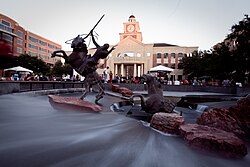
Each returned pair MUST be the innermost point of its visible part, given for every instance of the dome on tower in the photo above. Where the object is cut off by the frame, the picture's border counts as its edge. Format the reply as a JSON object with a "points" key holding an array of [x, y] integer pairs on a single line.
{"points": [[132, 17]]}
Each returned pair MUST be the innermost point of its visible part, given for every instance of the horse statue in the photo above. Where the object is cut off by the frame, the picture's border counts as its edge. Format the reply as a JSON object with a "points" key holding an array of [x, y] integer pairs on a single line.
{"points": [[155, 101], [85, 64]]}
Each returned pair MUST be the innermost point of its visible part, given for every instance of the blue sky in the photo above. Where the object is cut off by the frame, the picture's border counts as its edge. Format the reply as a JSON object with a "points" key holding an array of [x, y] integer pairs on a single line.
{"points": [[201, 23]]}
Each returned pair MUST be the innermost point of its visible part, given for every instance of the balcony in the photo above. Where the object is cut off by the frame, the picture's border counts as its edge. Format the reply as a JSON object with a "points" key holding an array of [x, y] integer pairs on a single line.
{"points": [[127, 59]]}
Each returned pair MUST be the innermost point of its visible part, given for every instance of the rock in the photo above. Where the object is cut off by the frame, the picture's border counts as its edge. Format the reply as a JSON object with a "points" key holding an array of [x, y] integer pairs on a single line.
{"points": [[115, 88], [241, 113], [221, 119], [125, 91], [167, 122], [213, 139], [73, 103], [244, 102]]}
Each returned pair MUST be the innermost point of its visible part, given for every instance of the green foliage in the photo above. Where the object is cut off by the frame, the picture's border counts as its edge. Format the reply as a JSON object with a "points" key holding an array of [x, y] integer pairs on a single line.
{"points": [[58, 70], [240, 51], [228, 59], [38, 66]]}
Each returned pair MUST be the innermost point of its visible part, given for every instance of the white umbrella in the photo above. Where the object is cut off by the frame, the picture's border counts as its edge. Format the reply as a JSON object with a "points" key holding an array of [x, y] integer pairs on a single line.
{"points": [[161, 68], [18, 69]]}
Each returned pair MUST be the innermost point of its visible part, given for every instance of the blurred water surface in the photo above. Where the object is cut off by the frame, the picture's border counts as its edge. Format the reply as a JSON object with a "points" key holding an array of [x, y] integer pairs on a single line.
{"points": [[33, 133]]}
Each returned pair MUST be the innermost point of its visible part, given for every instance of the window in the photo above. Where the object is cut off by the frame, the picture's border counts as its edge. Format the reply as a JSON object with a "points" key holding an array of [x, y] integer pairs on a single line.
{"points": [[173, 66], [49, 51], [19, 41], [42, 49], [51, 46], [6, 23], [42, 43], [19, 50], [32, 54], [158, 55], [58, 48], [33, 46], [41, 56], [165, 55], [7, 37], [180, 55], [172, 55], [20, 34], [33, 39], [7, 28], [129, 54]]}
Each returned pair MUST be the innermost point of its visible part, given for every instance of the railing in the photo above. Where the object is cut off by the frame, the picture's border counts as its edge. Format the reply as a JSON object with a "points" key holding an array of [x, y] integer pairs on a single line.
{"points": [[25, 86]]}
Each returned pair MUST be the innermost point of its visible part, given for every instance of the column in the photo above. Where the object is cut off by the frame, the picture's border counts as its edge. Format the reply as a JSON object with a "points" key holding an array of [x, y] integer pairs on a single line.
{"points": [[142, 71], [135, 74], [122, 68], [139, 70], [116, 69]]}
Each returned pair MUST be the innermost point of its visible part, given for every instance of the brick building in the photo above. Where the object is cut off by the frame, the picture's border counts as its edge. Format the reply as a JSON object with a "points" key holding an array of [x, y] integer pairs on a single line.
{"points": [[25, 42]]}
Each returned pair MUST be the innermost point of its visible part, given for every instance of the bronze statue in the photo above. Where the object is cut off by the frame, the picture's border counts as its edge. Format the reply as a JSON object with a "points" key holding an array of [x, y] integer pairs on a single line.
{"points": [[85, 64], [155, 102]]}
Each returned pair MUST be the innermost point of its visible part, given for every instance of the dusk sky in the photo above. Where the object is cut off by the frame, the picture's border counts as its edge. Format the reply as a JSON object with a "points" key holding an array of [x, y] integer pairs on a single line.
{"points": [[201, 23]]}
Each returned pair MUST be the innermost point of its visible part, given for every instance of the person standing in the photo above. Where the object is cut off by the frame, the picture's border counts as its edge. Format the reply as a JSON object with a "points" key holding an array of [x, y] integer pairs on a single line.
{"points": [[105, 73], [110, 76]]}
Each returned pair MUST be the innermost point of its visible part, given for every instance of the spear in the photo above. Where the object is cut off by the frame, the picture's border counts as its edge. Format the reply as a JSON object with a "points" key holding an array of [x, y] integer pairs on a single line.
{"points": [[89, 32]]}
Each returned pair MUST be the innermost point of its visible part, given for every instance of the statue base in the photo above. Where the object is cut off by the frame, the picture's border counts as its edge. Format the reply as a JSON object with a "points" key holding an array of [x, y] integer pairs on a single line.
{"points": [[73, 103]]}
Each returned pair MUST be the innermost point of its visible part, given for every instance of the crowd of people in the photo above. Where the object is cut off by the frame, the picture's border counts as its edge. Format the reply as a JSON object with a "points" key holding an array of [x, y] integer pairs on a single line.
{"points": [[109, 77]]}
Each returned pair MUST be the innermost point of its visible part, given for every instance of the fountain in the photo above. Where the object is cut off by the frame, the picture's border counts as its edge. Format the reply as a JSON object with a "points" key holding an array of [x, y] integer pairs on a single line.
{"points": [[33, 133]]}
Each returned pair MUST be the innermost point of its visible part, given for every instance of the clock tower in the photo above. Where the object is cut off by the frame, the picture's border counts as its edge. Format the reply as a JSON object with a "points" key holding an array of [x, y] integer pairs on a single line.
{"points": [[131, 28]]}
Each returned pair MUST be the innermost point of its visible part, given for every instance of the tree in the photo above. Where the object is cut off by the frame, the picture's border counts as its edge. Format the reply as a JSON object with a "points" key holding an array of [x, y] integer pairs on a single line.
{"points": [[59, 69], [239, 44], [38, 66], [192, 65], [228, 59]]}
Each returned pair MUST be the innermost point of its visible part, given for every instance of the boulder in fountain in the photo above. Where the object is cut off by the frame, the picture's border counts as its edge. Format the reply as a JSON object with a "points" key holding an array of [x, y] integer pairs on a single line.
{"points": [[167, 122], [213, 139], [73, 103], [115, 88], [221, 119], [241, 114], [125, 92], [122, 90]]}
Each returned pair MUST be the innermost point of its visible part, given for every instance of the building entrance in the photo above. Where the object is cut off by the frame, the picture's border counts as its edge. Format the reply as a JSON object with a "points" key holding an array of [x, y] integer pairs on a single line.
{"points": [[129, 70]]}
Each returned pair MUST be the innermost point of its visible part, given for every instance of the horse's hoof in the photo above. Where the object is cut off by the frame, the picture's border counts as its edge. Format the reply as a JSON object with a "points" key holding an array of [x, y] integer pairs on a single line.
{"points": [[99, 104]]}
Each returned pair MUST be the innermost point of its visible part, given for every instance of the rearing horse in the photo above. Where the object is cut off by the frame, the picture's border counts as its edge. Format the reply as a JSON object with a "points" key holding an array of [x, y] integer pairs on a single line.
{"points": [[84, 64]]}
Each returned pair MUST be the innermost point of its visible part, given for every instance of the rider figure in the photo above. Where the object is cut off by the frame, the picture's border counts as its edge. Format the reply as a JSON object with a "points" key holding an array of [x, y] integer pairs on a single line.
{"points": [[100, 53]]}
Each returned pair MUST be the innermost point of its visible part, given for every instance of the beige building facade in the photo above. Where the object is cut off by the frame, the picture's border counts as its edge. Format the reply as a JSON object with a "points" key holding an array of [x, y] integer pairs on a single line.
{"points": [[133, 58]]}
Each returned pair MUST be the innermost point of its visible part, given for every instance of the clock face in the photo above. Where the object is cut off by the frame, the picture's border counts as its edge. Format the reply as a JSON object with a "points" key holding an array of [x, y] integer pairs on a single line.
{"points": [[130, 28]]}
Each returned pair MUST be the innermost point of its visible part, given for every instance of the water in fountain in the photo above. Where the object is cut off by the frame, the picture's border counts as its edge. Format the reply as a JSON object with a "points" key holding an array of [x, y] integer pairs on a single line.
{"points": [[35, 134], [201, 108]]}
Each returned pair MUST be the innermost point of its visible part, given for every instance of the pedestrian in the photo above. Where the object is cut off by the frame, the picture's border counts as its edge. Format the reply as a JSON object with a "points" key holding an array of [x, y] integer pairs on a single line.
{"points": [[110, 76]]}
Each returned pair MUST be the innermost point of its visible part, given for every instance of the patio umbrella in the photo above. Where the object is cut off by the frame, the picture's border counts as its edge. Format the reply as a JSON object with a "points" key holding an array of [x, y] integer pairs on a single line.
{"points": [[161, 68], [18, 69]]}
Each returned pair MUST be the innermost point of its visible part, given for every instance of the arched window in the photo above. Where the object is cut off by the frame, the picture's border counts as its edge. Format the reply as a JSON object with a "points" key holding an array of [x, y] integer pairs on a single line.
{"points": [[158, 55]]}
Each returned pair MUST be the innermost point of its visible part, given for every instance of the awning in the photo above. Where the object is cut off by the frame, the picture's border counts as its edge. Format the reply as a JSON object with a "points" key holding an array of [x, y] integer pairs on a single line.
{"points": [[161, 68], [18, 69]]}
